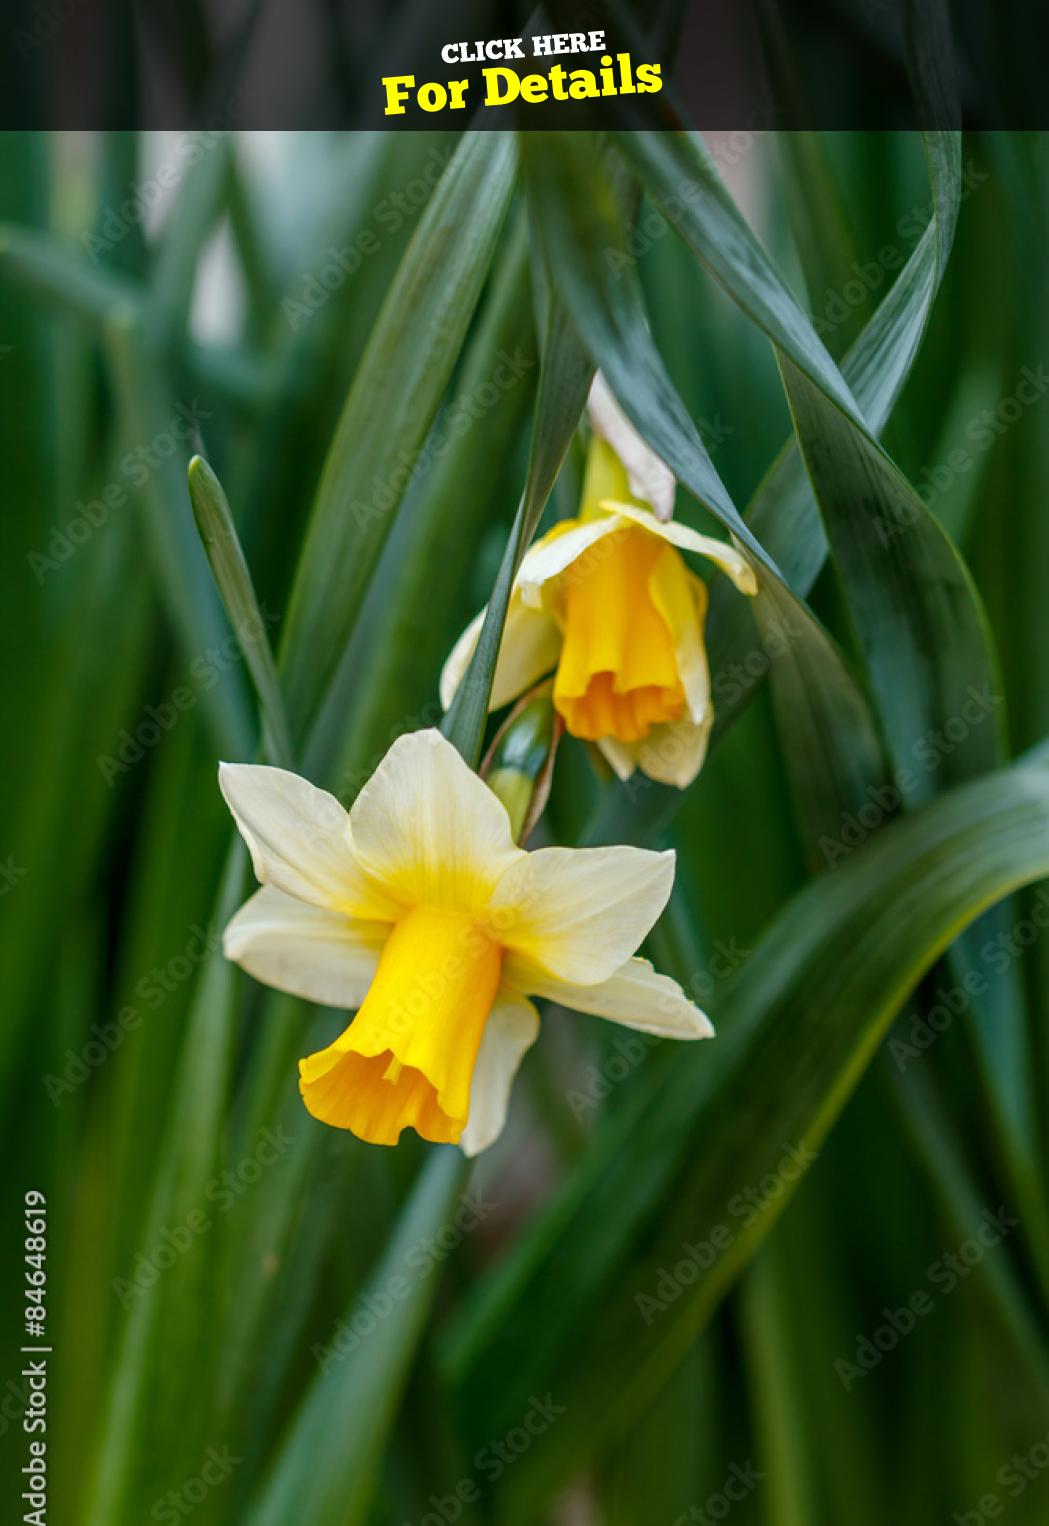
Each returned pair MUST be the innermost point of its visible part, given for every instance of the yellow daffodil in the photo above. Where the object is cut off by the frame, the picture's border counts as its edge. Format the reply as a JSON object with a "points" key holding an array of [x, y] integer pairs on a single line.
{"points": [[608, 601], [418, 909]]}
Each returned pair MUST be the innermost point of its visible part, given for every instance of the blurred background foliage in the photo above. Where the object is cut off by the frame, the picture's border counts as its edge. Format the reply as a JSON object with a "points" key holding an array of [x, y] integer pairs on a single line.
{"points": [[346, 321]]}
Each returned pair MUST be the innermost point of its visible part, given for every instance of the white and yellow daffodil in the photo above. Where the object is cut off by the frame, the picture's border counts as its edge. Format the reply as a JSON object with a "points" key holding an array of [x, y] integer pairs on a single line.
{"points": [[417, 910], [607, 600]]}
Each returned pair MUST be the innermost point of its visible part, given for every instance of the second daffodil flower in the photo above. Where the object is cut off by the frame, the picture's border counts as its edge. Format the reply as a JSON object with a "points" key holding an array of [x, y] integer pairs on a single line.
{"points": [[418, 909], [608, 601]]}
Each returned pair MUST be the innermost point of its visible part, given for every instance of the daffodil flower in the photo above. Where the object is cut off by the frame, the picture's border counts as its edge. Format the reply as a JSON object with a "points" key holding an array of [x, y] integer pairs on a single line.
{"points": [[608, 601], [419, 911]]}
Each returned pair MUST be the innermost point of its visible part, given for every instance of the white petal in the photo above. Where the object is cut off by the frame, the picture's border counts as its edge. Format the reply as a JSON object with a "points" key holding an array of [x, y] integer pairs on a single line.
{"points": [[429, 830], [579, 913], [686, 539], [530, 647], [621, 755], [552, 555], [674, 753], [299, 839], [651, 480], [511, 1030], [320, 955], [636, 996]]}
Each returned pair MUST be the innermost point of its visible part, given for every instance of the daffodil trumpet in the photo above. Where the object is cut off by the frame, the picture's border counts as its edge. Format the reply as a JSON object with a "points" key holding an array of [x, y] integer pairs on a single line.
{"points": [[606, 601], [417, 910]]}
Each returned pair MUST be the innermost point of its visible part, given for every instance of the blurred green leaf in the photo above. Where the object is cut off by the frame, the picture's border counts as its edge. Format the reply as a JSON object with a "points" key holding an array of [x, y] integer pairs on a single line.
{"points": [[798, 1024], [392, 403], [151, 429], [325, 1469]]}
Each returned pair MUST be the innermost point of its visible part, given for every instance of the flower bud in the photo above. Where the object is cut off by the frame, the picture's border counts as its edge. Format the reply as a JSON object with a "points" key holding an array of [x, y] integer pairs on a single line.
{"points": [[520, 762]]}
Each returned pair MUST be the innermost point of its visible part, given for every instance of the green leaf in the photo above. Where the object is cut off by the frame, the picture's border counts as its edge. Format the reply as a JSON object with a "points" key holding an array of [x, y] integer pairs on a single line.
{"points": [[392, 403], [574, 214], [167, 1318], [782, 513], [233, 580], [151, 425], [798, 1025], [325, 1469], [41, 265], [563, 386]]}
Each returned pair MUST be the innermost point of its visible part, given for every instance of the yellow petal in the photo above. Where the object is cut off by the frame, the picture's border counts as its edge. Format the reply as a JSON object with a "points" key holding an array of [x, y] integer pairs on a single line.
{"points": [[407, 1059], [320, 955], [511, 1030], [429, 830], [727, 557], [300, 841], [554, 554], [618, 673], [636, 996], [681, 600], [580, 913], [530, 646]]}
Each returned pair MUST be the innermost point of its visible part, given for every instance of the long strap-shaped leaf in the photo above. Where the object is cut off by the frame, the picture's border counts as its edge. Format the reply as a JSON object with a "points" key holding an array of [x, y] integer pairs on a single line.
{"points": [[389, 411], [662, 1187], [326, 1466], [325, 1470], [563, 386], [574, 213], [782, 513]]}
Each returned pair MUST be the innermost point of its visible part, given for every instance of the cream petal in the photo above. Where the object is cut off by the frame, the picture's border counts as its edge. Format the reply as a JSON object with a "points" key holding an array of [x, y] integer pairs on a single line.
{"points": [[299, 839], [556, 552], [530, 647], [621, 755], [731, 561], [511, 1030], [636, 996], [429, 830], [673, 753], [651, 480], [579, 913], [306, 950]]}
